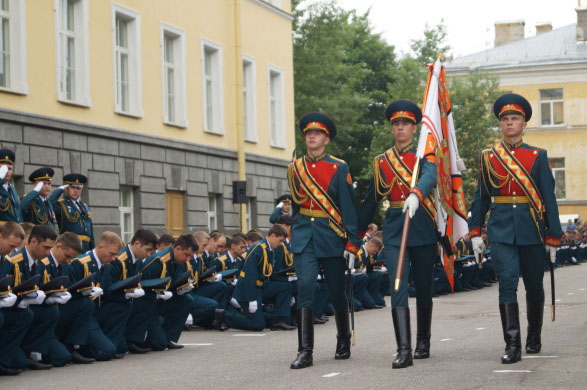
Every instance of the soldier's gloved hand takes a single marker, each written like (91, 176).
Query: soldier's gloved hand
(38, 186)
(253, 307)
(165, 295)
(350, 259)
(280, 205)
(292, 278)
(3, 171)
(190, 320)
(292, 301)
(235, 303)
(185, 289)
(8, 300)
(461, 165)
(217, 278)
(96, 292)
(411, 205)
(34, 298)
(234, 282)
(61, 298)
(136, 293)
(551, 252)
(478, 246)
(63, 187)
(353, 271)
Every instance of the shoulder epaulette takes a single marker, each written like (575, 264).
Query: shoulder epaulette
(123, 256)
(61, 200)
(165, 258)
(222, 258)
(85, 259)
(45, 261)
(338, 159)
(16, 258)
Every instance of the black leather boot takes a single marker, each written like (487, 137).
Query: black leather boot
(535, 314)
(423, 332)
(343, 333)
(401, 325)
(510, 323)
(219, 322)
(305, 338)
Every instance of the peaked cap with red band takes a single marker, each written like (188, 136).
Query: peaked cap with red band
(318, 121)
(512, 102)
(403, 109)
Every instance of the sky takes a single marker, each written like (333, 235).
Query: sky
(470, 23)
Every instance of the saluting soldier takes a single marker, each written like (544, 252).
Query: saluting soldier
(71, 213)
(9, 201)
(283, 208)
(37, 205)
(392, 175)
(324, 232)
(517, 184)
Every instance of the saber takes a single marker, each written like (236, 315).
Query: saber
(352, 308)
(553, 304)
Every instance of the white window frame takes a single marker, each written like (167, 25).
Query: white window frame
(551, 103)
(563, 170)
(179, 85)
(275, 3)
(126, 210)
(217, 88)
(212, 200)
(279, 140)
(250, 99)
(80, 34)
(17, 61)
(135, 93)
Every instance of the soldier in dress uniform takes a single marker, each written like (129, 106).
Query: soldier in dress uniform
(517, 184)
(392, 174)
(9, 201)
(283, 208)
(37, 205)
(71, 213)
(324, 232)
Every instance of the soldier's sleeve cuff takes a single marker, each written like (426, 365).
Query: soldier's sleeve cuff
(362, 234)
(351, 248)
(552, 241)
(418, 193)
(475, 232)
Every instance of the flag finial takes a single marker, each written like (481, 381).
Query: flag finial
(440, 55)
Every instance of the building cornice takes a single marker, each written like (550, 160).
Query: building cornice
(29, 119)
(274, 9)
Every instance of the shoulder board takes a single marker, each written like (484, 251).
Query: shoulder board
(337, 159)
(61, 200)
(222, 258)
(165, 258)
(360, 252)
(16, 258)
(264, 245)
(45, 261)
(85, 259)
(123, 256)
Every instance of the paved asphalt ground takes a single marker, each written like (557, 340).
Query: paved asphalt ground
(466, 348)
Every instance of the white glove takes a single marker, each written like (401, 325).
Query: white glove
(190, 320)
(3, 171)
(165, 295)
(234, 282)
(383, 269)
(38, 186)
(292, 301)
(411, 205)
(551, 251)
(34, 298)
(185, 290)
(8, 300)
(461, 165)
(217, 278)
(280, 205)
(350, 259)
(63, 187)
(96, 292)
(292, 278)
(319, 277)
(235, 303)
(253, 307)
(353, 271)
(61, 298)
(136, 293)
(478, 246)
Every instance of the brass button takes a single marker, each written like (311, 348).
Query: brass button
(403, 196)
(514, 193)
(514, 206)
(312, 219)
(513, 152)
(313, 165)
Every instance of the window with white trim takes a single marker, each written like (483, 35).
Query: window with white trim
(126, 209)
(173, 55)
(558, 171)
(276, 3)
(551, 107)
(212, 87)
(212, 212)
(73, 76)
(127, 61)
(251, 216)
(249, 100)
(13, 67)
(276, 108)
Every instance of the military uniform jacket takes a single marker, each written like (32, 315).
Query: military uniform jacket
(521, 223)
(387, 185)
(198, 266)
(332, 195)
(10, 205)
(20, 267)
(161, 265)
(223, 263)
(275, 215)
(208, 258)
(282, 259)
(37, 211)
(368, 260)
(121, 268)
(70, 219)
(52, 270)
(256, 272)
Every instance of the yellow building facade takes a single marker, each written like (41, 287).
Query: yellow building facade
(164, 80)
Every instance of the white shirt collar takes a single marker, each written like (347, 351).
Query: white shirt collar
(97, 259)
(230, 256)
(54, 259)
(132, 255)
(31, 260)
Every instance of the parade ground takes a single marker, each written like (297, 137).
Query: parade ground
(465, 354)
